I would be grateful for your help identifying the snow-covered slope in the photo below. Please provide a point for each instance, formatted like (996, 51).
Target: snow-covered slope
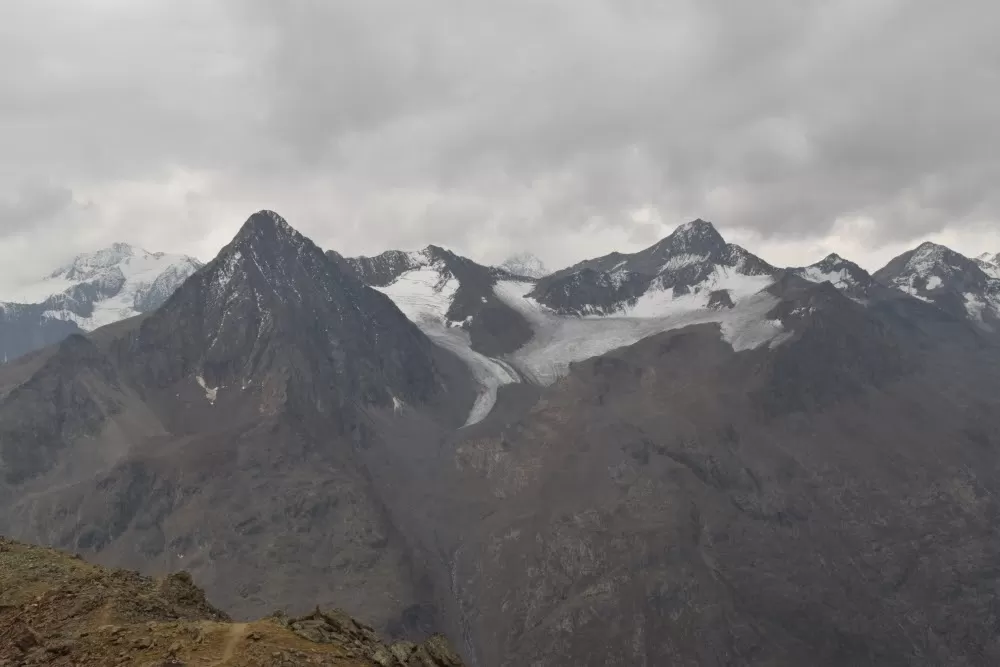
(111, 284)
(689, 278)
(525, 264)
(562, 339)
(426, 294)
(990, 264)
(92, 290)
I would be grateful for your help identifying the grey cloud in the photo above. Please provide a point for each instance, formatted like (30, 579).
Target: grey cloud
(32, 207)
(477, 124)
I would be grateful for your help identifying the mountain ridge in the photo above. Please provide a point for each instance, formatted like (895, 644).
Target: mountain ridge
(744, 463)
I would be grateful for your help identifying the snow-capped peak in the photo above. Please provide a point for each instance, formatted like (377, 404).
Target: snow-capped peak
(841, 273)
(929, 258)
(87, 265)
(524, 264)
(107, 285)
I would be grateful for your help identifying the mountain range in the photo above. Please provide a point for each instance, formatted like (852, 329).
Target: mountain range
(684, 455)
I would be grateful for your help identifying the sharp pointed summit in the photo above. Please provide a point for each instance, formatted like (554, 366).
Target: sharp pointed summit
(272, 303)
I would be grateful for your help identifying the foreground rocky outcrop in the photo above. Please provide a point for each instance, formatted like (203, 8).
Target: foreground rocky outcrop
(57, 609)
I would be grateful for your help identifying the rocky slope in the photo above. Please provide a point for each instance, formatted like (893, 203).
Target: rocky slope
(822, 502)
(224, 434)
(92, 290)
(56, 609)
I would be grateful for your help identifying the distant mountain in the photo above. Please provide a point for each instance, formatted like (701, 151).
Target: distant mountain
(843, 274)
(990, 264)
(958, 285)
(694, 266)
(92, 290)
(525, 264)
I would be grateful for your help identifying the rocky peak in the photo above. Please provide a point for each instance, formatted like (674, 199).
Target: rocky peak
(88, 265)
(698, 237)
(693, 259)
(273, 308)
(841, 273)
(955, 283)
(524, 264)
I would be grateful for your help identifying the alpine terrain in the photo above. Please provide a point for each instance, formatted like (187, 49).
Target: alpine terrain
(680, 456)
(92, 290)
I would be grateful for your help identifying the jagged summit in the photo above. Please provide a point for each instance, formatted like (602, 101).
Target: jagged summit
(843, 274)
(698, 236)
(695, 258)
(955, 283)
(269, 224)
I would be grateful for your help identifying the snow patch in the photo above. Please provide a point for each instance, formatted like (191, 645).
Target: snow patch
(660, 303)
(681, 260)
(210, 392)
(933, 283)
(422, 294)
(839, 278)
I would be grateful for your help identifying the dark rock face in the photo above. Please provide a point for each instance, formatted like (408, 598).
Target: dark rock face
(271, 305)
(223, 434)
(688, 257)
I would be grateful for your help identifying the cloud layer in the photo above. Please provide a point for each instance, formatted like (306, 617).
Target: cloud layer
(570, 126)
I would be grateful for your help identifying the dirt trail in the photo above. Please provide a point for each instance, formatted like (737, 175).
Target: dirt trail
(236, 633)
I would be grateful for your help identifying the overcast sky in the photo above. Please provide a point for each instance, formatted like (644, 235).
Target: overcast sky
(569, 127)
